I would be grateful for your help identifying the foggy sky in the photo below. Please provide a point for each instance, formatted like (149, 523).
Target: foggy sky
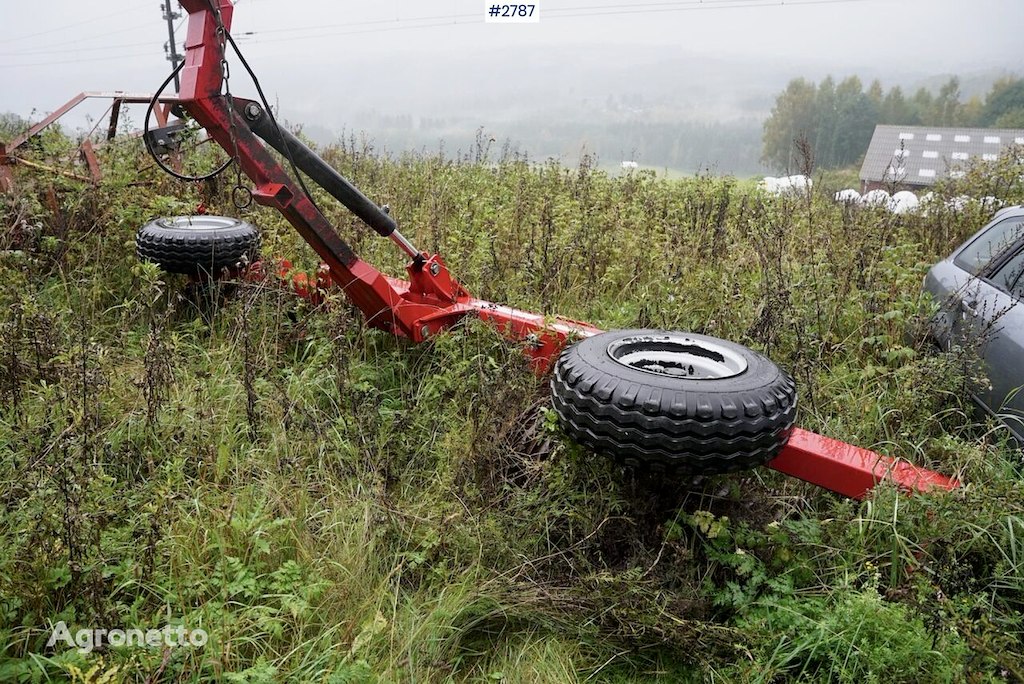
(311, 55)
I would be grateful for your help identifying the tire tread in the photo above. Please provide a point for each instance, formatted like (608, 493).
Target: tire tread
(709, 428)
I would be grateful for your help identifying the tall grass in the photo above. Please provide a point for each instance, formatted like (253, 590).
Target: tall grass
(333, 504)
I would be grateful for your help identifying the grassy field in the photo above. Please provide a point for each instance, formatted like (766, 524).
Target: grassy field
(331, 504)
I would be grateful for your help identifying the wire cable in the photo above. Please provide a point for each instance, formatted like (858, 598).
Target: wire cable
(149, 147)
(266, 107)
(273, 120)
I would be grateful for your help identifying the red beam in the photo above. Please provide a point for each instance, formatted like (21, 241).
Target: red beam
(118, 96)
(837, 466)
(851, 470)
(54, 115)
(90, 159)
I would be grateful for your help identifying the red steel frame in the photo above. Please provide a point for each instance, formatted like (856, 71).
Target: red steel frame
(431, 299)
(118, 98)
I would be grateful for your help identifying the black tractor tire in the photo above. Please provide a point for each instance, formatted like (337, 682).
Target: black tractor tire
(196, 245)
(672, 401)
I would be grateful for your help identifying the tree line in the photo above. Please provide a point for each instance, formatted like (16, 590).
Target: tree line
(837, 119)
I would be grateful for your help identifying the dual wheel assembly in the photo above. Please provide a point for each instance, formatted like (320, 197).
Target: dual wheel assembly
(665, 401)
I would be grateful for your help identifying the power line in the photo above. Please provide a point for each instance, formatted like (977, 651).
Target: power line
(26, 36)
(387, 25)
(103, 48)
(53, 47)
(455, 21)
(74, 50)
(369, 23)
(636, 5)
(705, 5)
(76, 61)
(313, 32)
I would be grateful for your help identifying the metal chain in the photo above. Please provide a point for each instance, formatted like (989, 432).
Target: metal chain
(241, 195)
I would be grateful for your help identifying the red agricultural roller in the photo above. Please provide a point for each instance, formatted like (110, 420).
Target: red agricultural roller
(664, 400)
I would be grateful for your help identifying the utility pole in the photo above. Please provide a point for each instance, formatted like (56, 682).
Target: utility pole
(171, 47)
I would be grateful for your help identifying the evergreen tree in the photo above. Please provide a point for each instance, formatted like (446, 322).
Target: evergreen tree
(923, 104)
(896, 109)
(1004, 105)
(792, 118)
(826, 118)
(857, 115)
(946, 108)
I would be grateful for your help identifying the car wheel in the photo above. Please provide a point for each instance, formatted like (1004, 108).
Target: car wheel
(676, 401)
(197, 244)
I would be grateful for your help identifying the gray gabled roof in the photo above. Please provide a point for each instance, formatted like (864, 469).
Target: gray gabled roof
(921, 155)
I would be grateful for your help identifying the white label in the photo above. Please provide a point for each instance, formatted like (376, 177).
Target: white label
(501, 13)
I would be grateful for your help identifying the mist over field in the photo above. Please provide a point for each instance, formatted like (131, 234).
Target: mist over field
(681, 86)
(658, 105)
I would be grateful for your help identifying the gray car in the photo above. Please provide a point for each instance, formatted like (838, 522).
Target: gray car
(980, 291)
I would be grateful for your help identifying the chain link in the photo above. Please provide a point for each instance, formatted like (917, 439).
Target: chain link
(241, 195)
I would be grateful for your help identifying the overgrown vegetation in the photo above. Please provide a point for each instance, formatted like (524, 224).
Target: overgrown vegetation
(333, 504)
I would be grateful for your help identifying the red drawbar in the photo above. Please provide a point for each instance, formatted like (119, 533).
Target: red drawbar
(837, 466)
(851, 470)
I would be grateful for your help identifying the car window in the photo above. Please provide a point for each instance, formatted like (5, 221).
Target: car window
(990, 244)
(1008, 277)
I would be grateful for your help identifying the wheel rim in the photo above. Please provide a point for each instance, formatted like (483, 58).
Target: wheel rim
(677, 356)
(198, 222)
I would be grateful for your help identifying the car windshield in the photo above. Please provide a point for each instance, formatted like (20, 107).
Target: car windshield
(990, 244)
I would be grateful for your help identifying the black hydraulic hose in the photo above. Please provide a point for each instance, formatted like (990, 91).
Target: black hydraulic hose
(322, 173)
